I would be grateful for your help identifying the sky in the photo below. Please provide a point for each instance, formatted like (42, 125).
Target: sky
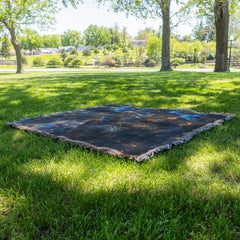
(88, 13)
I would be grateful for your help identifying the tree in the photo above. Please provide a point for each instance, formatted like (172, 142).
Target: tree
(186, 38)
(234, 25)
(15, 15)
(221, 10)
(115, 35)
(165, 9)
(205, 32)
(154, 48)
(72, 38)
(31, 41)
(124, 35)
(97, 36)
(5, 49)
(144, 9)
(51, 41)
(144, 35)
(63, 54)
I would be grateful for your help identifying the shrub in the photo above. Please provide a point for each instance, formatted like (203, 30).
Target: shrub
(131, 46)
(175, 64)
(126, 59)
(178, 60)
(68, 60)
(76, 62)
(195, 59)
(74, 51)
(122, 45)
(118, 52)
(96, 50)
(24, 60)
(73, 61)
(195, 56)
(115, 46)
(203, 59)
(138, 62)
(97, 62)
(211, 57)
(180, 54)
(63, 54)
(119, 60)
(105, 52)
(86, 52)
(54, 62)
(125, 50)
(153, 49)
(109, 48)
(38, 62)
(150, 62)
(130, 63)
(236, 54)
(109, 61)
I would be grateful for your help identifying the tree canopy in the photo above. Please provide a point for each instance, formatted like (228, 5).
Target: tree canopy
(5, 49)
(22, 13)
(17, 15)
(71, 38)
(97, 36)
(234, 25)
(145, 9)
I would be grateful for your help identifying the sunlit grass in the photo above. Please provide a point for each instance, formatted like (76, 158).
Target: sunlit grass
(53, 190)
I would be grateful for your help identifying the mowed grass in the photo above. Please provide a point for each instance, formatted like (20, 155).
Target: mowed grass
(53, 190)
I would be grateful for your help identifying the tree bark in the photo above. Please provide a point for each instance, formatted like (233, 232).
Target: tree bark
(165, 8)
(221, 12)
(17, 48)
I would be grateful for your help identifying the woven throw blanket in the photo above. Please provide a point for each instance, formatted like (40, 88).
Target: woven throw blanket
(123, 130)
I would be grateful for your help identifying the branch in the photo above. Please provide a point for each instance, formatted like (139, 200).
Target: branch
(5, 23)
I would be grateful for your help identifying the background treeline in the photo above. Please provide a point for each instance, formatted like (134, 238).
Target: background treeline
(115, 47)
(93, 36)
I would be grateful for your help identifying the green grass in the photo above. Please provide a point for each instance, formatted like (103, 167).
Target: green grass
(8, 67)
(53, 190)
(196, 65)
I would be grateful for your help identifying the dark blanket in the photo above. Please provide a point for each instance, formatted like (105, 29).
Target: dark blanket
(122, 130)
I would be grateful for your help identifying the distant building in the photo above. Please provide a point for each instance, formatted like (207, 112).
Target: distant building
(102, 47)
(137, 43)
(67, 48)
(48, 50)
(33, 52)
(82, 48)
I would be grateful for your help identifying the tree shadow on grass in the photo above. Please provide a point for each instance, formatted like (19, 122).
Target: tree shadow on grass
(76, 91)
(45, 203)
(110, 198)
(69, 90)
(44, 206)
(38, 95)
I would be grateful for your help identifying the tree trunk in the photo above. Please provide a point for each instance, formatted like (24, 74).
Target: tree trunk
(17, 48)
(221, 12)
(165, 8)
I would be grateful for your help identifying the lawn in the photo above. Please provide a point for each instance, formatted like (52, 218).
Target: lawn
(54, 190)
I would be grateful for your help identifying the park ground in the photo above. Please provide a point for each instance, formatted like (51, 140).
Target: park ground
(53, 190)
